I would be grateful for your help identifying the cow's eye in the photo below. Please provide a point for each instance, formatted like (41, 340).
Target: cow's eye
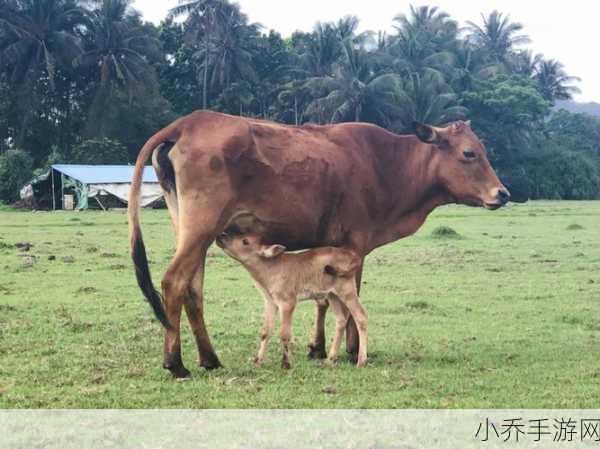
(469, 154)
(245, 241)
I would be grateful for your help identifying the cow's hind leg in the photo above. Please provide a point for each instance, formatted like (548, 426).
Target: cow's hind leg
(316, 348)
(176, 285)
(194, 307)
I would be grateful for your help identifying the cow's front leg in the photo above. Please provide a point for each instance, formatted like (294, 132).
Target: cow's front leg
(316, 348)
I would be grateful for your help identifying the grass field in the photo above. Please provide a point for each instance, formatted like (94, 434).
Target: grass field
(504, 315)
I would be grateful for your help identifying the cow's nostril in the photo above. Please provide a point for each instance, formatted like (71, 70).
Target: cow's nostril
(503, 195)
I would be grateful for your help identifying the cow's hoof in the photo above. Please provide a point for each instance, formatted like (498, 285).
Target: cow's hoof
(180, 372)
(210, 362)
(316, 352)
(285, 364)
(353, 357)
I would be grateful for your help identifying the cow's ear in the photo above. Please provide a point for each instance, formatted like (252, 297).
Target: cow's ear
(272, 251)
(426, 133)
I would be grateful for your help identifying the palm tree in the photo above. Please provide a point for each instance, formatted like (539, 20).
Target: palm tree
(293, 98)
(554, 82)
(354, 92)
(232, 47)
(204, 17)
(470, 66)
(428, 99)
(320, 50)
(119, 46)
(38, 36)
(423, 41)
(38, 40)
(122, 52)
(525, 63)
(497, 36)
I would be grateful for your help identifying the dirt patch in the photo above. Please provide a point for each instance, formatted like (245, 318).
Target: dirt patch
(445, 232)
(28, 260)
(109, 255)
(87, 290)
(23, 246)
(418, 305)
(575, 227)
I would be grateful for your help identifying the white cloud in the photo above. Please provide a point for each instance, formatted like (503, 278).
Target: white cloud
(566, 31)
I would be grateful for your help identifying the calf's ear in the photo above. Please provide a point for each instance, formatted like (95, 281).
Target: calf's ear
(426, 133)
(272, 251)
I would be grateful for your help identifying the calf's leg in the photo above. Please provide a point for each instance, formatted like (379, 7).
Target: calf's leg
(352, 301)
(267, 330)
(352, 335)
(341, 317)
(286, 311)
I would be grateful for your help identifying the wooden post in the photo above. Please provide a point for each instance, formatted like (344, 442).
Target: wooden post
(62, 190)
(53, 196)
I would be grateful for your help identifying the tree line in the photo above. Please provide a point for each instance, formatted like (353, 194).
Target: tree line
(87, 81)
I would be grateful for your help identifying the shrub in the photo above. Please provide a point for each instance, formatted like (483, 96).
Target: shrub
(16, 168)
(566, 175)
(445, 232)
(99, 151)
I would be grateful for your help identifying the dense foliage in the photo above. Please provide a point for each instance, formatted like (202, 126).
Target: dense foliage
(75, 70)
(15, 170)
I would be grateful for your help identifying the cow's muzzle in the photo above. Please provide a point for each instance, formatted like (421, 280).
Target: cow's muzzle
(501, 197)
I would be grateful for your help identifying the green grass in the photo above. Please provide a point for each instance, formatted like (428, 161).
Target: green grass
(506, 316)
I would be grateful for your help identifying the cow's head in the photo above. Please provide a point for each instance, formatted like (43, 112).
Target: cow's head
(463, 168)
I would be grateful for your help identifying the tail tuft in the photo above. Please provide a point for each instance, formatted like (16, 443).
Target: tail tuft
(144, 280)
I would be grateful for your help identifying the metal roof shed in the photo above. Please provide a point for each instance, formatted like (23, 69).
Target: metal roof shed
(97, 182)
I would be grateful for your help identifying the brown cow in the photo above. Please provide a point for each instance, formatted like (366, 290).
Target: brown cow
(353, 184)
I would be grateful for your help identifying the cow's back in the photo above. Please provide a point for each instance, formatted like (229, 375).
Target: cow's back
(308, 185)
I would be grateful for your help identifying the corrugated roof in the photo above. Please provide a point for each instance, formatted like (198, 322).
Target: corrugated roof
(104, 174)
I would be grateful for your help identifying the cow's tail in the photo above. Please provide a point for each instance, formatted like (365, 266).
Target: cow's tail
(138, 250)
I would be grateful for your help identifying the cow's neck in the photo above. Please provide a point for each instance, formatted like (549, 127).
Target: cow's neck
(411, 179)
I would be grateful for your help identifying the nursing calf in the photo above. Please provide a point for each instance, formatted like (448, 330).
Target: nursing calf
(286, 278)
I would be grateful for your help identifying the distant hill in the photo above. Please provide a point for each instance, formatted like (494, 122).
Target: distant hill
(591, 108)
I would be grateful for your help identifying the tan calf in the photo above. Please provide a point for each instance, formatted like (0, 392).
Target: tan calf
(286, 278)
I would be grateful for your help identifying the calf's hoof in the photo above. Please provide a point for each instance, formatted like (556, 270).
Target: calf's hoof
(316, 352)
(285, 364)
(361, 362)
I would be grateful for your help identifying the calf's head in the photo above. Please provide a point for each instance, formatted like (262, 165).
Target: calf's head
(462, 166)
(248, 248)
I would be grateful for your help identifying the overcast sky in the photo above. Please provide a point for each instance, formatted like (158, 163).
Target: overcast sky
(564, 30)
